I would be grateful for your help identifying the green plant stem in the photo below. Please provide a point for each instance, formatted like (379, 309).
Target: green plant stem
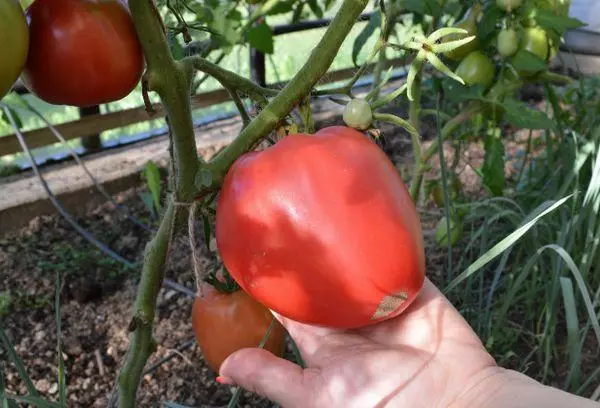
(142, 341)
(172, 81)
(229, 79)
(415, 120)
(447, 130)
(315, 67)
(390, 22)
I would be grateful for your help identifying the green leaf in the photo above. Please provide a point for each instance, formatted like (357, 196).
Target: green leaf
(148, 202)
(223, 25)
(14, 115)
(365, 34)
(487, 26)
(152, 175)
(422, 7)
(457, 92)
(572, 321)
(316, 9)
(493, 164)
(520, 115)
(37, 401)
(18, 363)
(207, 232)
(529, 62)
(282, 7)
(559, 24)
(261, 38)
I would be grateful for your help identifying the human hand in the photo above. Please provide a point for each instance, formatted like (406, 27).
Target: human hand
(426, 357)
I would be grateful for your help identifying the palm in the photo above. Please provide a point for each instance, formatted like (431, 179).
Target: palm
(425, 358)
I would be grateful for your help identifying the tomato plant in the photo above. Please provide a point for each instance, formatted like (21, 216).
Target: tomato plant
(358, 114)
(469, 23)
(226, 322)
(82, 52)
(331, 237)
(507, 42)
(476, 69)
(509, 5)
(14, 42)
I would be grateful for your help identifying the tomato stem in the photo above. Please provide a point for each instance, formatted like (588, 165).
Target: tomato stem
(414, 119)
(315, 67)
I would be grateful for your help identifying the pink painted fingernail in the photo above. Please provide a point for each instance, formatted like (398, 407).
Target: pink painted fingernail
(225, 380)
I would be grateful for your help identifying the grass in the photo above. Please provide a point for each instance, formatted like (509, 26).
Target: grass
(535, 303)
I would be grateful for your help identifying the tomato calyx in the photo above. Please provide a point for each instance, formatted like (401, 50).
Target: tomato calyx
(222, 281)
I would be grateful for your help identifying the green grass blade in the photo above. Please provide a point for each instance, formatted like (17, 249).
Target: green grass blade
(572, 322)
(62, 388)
(500, 247)
(14, 357)
(37, 401)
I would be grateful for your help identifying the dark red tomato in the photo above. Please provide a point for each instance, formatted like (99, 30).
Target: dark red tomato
(82, 52)
(226, 322)
(321, 229)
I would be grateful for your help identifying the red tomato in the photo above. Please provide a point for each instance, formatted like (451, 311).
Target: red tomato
(321, 229)
(226, 322)
(82, 52)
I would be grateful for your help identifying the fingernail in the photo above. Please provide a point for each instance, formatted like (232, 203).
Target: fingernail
(225, 380)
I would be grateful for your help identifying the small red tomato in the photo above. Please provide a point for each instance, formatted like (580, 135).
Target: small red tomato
(82, 52)
(321, 229)
(226, 322)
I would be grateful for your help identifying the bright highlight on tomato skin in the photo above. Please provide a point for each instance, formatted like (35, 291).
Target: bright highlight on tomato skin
(321, 229)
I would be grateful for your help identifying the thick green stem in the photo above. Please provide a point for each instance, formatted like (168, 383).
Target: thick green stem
(172, 81)
(315, 67)
(414, 117)
(142, 341)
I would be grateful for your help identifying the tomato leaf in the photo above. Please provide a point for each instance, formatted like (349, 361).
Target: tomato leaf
(487, 26)
(456, 92)
(559, 24)
(428, 7)
(282, 7)
(14, 115)
(528, 61)
(520, 115)
(316, 9)
(365, 34)
(493, 164)
(261, 38)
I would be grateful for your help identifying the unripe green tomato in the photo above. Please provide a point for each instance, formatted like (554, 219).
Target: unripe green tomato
(358, 114)
(535, 40)
(509, 5)
(14, 43)
(476, 69)
(507, 42)
(441, 232)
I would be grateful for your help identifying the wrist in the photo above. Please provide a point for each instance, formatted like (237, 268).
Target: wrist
(497, 387)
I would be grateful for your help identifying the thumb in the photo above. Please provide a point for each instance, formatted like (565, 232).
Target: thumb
(259, 371)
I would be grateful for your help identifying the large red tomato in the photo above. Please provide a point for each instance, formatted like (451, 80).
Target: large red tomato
(226, 322)
(82, 52)
(321, 229)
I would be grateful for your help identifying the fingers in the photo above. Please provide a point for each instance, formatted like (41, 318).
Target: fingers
(259, 371)
(307, 337)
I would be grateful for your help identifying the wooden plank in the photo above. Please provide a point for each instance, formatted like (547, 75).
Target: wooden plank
(95, 124)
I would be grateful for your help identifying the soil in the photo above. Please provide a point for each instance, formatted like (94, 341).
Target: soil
(97, 295)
